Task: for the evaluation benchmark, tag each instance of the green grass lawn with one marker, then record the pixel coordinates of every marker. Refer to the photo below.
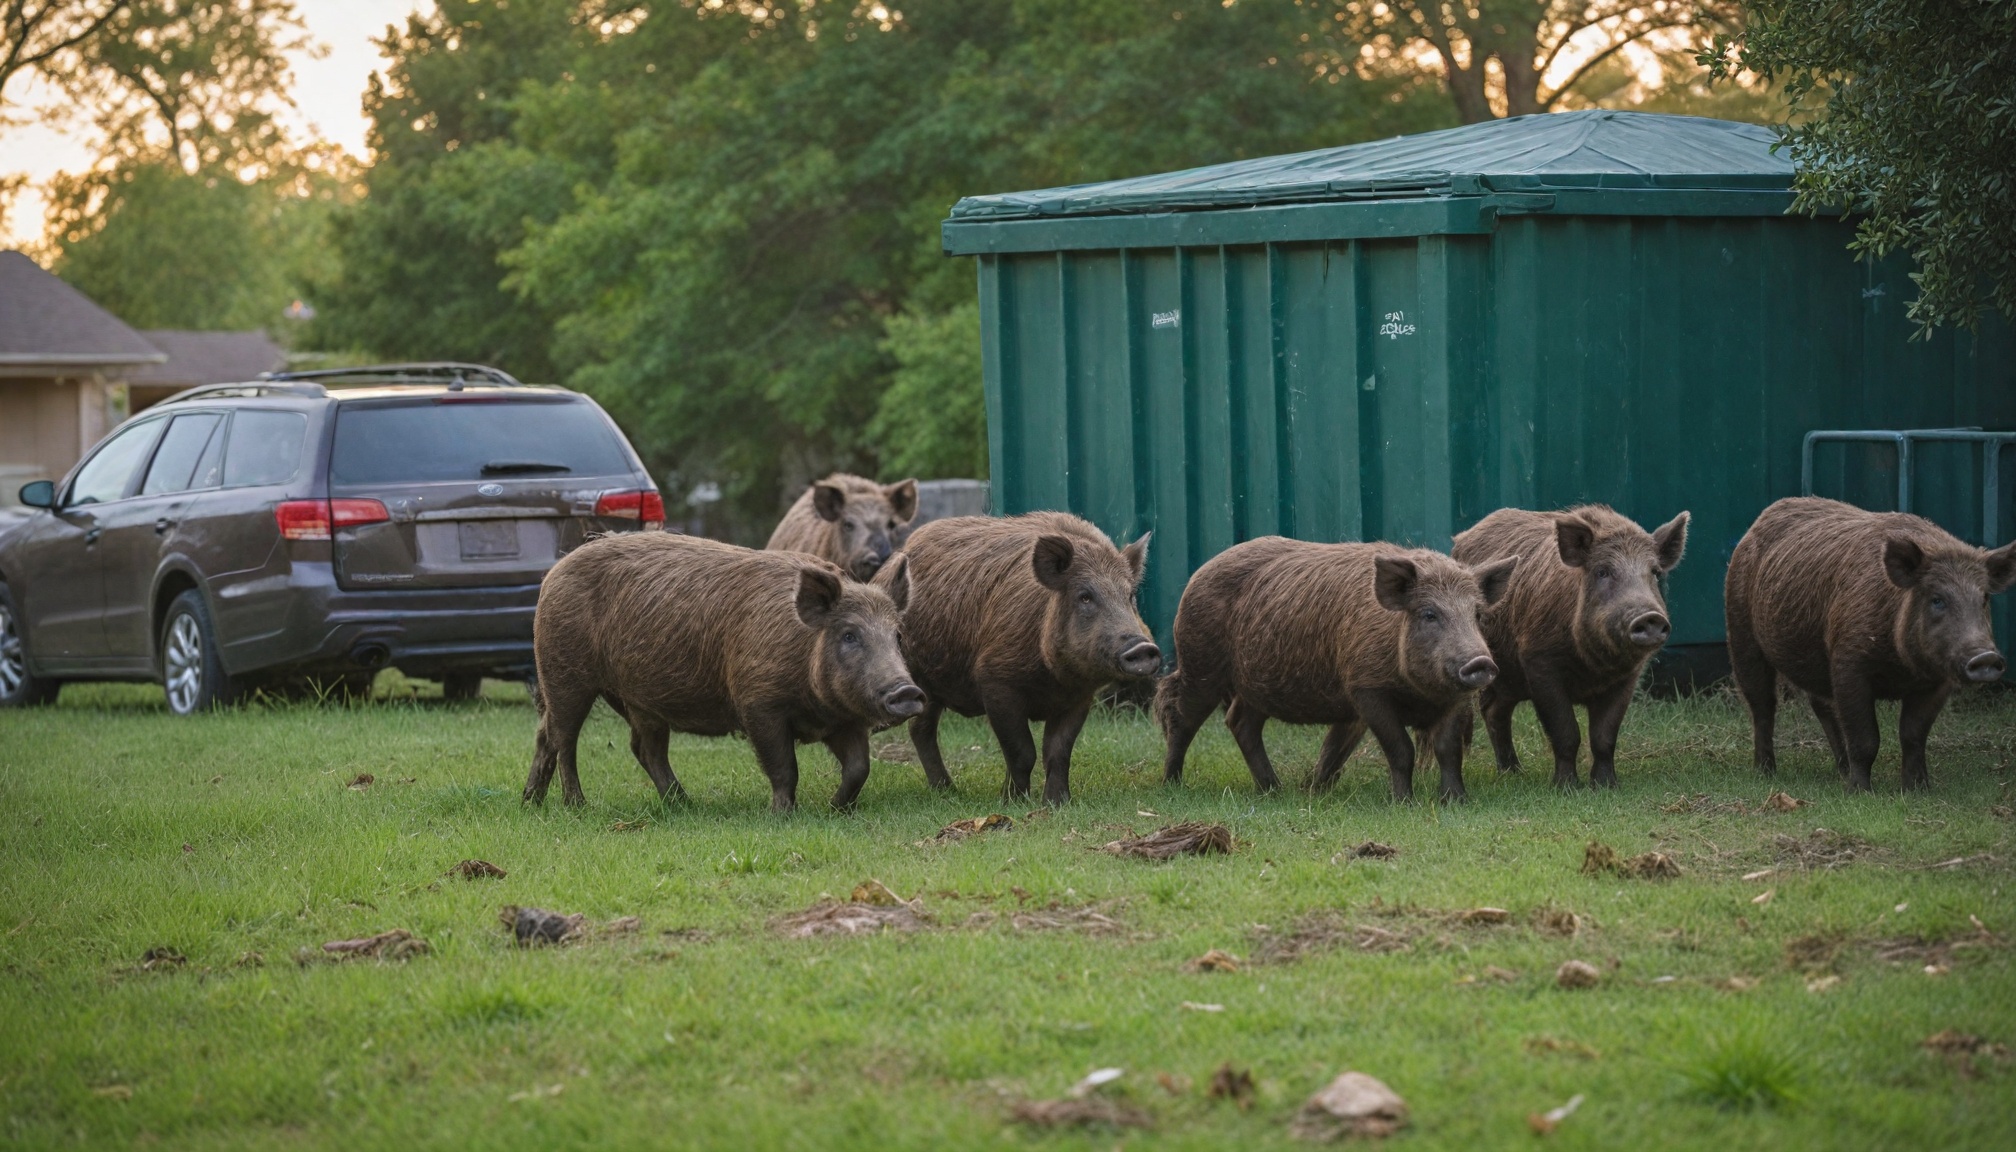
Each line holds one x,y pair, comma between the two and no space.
1718,1022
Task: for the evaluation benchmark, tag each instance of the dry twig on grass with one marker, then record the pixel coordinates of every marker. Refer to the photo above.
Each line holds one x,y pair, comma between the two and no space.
397,944
1190,838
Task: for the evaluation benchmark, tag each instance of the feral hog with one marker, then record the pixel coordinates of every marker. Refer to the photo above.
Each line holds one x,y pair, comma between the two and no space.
1022,618
1348,635
849,521
681,634
1585,616
1853,607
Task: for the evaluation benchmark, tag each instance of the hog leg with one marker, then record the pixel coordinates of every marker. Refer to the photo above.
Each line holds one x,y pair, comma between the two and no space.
559,731
924,738
1758,682
1449,741
1606,717
1018,748
850,747
1498,709
1379,716
1823,711
1182,711
1914,724
651,743
777,754
1855,711
1338,744
1557,718
1060,736
1246,723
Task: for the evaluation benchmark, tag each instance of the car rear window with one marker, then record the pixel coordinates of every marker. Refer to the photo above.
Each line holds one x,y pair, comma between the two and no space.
457,439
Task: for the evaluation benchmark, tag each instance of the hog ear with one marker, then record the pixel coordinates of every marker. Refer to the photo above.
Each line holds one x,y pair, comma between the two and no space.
1903,561
895,580
2002,568
902,497
829,501
1671,540
1052,559
1495,578
1137,555
1393,580
1573,539
818,592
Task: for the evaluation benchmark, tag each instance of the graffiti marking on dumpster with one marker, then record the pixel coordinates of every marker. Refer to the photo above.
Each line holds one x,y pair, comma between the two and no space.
1170,319
1396,326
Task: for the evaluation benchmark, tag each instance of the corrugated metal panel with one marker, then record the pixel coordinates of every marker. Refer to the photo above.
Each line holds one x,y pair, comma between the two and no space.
1402,388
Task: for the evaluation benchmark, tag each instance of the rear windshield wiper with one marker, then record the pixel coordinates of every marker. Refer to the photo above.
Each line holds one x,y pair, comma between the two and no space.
519,467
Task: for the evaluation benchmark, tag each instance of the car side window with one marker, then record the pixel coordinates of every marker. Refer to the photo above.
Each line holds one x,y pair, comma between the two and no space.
264,447
188,442
105,476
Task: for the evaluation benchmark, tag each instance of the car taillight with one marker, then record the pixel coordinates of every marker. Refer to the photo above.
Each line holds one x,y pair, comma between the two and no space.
646,506
314,519
303,519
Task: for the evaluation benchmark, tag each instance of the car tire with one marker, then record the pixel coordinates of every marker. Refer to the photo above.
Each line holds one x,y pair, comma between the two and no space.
460,686
18,687
192,667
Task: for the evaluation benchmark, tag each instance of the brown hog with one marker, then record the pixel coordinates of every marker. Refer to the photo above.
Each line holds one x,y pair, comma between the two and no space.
1022,618
1586,615
1853,607
681,634
849,521
1348,635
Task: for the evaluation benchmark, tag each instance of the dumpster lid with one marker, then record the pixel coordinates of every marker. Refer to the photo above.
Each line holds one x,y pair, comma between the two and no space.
1591,149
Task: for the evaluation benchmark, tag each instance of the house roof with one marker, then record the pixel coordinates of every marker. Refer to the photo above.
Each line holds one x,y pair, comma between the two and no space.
45,323
1598,149
208,358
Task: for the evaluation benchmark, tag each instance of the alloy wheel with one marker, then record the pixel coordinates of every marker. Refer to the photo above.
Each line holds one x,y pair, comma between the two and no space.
182,665
13,658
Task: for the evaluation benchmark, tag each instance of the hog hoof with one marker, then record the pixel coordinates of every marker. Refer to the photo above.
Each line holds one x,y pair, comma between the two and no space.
1567,781
1455,797
1511,767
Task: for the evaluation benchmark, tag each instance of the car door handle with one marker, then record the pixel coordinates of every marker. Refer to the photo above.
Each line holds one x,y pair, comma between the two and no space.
91,536
162,525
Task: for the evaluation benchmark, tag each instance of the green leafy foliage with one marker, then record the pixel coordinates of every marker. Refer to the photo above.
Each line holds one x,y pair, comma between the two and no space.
1916,133
722,219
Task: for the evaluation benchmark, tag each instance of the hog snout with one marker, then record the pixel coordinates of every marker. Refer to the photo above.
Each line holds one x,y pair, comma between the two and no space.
904,700
1650,630
1141,658
1478,672
1986,666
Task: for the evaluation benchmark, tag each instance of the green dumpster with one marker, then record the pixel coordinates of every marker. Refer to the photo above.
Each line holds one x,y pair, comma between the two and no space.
1390,340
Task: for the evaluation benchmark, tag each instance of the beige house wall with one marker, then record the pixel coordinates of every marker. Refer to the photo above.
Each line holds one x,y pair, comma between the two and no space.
46,424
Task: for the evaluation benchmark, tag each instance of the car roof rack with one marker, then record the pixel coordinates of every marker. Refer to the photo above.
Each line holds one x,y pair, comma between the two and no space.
262,388
454,373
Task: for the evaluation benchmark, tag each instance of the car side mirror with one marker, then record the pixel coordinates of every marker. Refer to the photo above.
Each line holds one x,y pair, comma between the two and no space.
39,494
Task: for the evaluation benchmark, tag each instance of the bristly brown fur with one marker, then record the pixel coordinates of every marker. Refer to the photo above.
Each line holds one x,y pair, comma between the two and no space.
1564,636
1281,629
689,635
1853,607
854,523
985,635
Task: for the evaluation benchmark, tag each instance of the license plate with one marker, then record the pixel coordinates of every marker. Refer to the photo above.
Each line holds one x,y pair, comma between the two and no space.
489,539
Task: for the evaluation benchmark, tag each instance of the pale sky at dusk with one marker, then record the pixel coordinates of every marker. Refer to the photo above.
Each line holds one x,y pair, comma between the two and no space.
329,92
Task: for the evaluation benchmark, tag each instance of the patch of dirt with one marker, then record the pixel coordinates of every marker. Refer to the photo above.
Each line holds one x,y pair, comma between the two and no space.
1702,804
1577,974
1822,848
1373,850
1814,954
476,870
1599,858
162,958
1953,1042
1092,1113
1539,1045
1234,1084
973,826
830,917
1213,961
361,781
1190,838
1322,931
1558,922
877,893
1783,802
396,944
1086,918
532,926
1935,954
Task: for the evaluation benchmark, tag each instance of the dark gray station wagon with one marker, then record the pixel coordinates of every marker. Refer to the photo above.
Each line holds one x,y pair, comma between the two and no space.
312,527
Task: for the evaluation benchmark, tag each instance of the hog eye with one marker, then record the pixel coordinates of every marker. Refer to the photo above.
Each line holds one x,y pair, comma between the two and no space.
850,638
892,525
1603,572
1938,603
1430,616
1085,598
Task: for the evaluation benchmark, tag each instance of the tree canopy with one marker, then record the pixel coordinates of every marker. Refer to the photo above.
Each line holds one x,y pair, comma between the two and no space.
1915,133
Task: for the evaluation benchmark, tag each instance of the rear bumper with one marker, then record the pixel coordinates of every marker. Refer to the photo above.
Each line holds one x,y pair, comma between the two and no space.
424,632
